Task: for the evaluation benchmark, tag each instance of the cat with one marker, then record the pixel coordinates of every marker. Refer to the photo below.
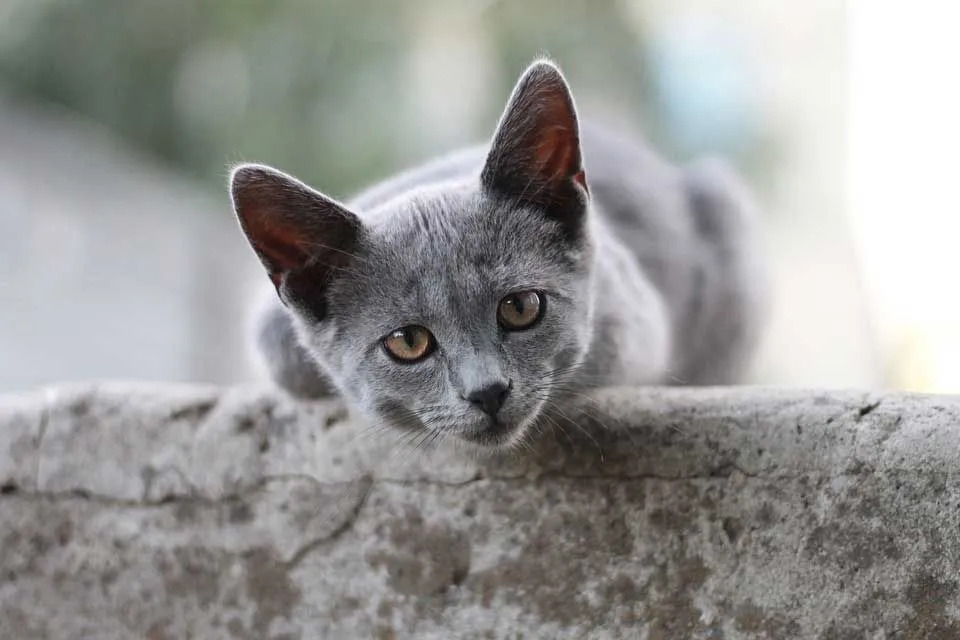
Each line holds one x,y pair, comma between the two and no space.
470,296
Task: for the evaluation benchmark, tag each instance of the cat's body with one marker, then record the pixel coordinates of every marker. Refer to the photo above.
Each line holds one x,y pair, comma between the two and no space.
649,271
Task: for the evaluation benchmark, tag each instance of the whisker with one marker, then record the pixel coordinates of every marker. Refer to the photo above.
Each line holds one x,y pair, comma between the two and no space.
558,427
581,429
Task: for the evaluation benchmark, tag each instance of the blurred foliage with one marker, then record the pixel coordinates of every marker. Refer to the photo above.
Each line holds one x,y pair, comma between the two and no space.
317,88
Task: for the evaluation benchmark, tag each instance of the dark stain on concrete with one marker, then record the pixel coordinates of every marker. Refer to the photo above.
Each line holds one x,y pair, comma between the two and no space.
335,416
240,512
193,572
545,574
623,589
158,631
868,506
846,633
888,424
80,407
235,627
750,618
732,527
195,411
269,585
384,632
853,547
928,595
345,606
766,516
671,520
866,410
673,616
107,579
424,558
618,537
384,609
64,532
865,617
671,612
542,573
244,424
548,569
185,511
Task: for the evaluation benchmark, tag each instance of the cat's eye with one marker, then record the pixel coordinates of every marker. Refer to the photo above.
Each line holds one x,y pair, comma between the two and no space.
522,310
409,344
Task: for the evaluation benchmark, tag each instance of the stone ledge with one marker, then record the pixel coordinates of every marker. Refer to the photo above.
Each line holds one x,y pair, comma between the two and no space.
177,511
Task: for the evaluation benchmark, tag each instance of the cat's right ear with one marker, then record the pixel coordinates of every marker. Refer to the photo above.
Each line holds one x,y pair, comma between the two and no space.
300,235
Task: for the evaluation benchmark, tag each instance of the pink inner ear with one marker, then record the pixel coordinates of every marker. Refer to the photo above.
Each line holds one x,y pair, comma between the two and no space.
556,153
282,248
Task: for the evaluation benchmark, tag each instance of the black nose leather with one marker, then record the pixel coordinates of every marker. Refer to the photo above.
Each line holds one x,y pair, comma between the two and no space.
491,397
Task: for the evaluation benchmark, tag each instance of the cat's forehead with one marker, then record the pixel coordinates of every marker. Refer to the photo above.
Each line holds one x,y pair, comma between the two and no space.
458,248
460,233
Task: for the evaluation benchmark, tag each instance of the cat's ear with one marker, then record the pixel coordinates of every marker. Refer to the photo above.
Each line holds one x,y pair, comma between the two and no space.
535,155
300,235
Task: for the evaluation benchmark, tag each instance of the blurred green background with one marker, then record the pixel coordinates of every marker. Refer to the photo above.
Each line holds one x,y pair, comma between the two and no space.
321,88
119,120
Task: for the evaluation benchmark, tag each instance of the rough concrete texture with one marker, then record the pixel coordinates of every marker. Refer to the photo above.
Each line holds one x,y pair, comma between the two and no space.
186,512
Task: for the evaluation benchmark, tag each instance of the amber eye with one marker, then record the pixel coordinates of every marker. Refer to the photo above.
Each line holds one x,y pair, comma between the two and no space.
410,343
522,310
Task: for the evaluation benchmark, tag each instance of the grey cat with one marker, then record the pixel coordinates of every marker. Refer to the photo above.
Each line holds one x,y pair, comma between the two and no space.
472,295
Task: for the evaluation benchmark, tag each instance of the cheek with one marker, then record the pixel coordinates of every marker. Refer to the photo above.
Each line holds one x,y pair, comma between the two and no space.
577,330
555,332
356,391
556,344
530,360
411,385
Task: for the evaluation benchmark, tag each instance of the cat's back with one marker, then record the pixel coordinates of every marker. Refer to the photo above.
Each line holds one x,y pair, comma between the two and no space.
694,230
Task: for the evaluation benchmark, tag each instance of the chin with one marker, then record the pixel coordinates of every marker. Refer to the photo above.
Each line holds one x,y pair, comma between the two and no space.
498,435
492,434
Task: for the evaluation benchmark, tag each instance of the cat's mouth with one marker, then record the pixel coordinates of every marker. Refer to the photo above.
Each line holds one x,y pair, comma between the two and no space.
501,431
491,433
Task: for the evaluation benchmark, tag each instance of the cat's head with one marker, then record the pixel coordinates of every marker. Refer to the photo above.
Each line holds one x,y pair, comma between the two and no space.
461,309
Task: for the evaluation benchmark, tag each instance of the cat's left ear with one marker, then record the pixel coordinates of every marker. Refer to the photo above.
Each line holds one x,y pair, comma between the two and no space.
535,156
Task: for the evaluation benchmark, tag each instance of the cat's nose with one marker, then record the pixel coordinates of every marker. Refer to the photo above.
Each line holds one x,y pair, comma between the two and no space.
491,397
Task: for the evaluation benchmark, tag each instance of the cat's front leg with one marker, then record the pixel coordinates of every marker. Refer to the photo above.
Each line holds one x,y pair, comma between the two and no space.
285,360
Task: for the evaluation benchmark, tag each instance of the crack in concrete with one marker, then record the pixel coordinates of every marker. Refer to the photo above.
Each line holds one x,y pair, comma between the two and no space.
192,498
294,561
372,482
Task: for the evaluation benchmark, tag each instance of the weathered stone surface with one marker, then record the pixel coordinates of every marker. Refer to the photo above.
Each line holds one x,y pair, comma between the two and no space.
190,512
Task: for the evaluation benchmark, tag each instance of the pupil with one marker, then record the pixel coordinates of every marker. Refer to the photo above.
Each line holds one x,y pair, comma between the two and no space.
518,305
409,338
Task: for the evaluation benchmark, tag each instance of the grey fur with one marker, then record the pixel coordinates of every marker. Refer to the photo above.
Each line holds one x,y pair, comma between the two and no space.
655,280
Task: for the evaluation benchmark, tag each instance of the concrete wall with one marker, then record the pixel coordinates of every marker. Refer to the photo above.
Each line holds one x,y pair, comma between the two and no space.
185,512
